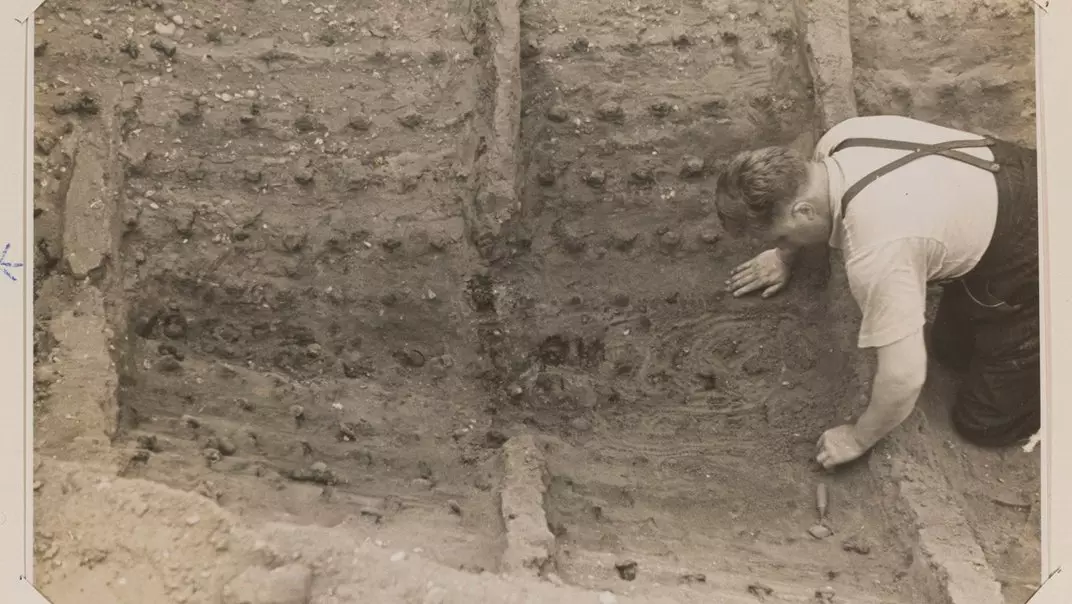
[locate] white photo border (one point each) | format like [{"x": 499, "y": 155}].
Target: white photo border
[{"x": 1053, "y": 22}]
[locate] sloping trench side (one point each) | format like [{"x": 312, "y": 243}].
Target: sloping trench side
[{"x": 948, "y": 559}]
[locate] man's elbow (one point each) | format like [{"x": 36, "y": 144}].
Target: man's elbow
[
  {"x": 904, "y": 364},
  {"x": 910, "y": 378}
]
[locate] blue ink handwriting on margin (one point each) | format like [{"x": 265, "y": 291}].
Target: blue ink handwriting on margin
[{"x": 6, "y": 264}]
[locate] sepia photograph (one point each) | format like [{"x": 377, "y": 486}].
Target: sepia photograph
[{"x": 504, "y": 301}]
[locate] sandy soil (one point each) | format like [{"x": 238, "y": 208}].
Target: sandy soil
[{"x": 308, "y": 328}]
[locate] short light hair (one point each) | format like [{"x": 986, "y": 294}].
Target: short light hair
[{"x": 753, "y": 185}]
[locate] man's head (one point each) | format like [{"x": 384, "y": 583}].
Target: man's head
[{"x": 776, "y": 194}]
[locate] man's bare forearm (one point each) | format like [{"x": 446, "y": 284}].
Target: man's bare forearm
[
  {"x": 902, "y": 369},
  {"x": 892, "y": 401}
]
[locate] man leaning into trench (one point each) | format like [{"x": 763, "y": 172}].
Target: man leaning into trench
[{"x": 908, "y": 204}]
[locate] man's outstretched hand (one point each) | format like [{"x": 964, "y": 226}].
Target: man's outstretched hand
[
  {"x": 839, "y": 446},
  {"x": 767, "y": 272}
]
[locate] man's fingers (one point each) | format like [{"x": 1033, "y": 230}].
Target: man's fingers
[
  {"x": 741, "y": 279},
  {"x": 770, "y": 291},
  {"x": 738, "y": 279},
  {"x": 824, "y": 459},
  {"x": 749, "y": 287},
  {"x": 742, "y": 267}
]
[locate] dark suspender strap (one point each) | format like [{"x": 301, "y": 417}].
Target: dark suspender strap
[
  {"x": 881, "y": 143},
  {"x": 920, "y": 151}
]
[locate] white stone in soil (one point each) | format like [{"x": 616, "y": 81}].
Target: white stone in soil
[{"x": 165, "y": 29}]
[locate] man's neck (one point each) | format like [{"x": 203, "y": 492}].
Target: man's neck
[
  {"x": 817, "y": 195},
  {"x": 818, "y": 190},
  {"x": 820, "y": 186}
]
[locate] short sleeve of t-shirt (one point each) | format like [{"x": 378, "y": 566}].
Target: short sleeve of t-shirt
[{"x": 889, "y": 282}]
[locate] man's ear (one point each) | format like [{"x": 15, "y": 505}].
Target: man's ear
[{"x": 805, "y": 210}]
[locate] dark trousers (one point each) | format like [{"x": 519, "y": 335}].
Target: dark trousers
[{"x": 987, "y": 324}]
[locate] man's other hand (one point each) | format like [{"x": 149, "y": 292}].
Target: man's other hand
[{"x": 767, "y": 272}]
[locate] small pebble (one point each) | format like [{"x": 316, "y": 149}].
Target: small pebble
[
  {"x": 192, "y": 520},
  {"x": 411, "y": 119},
  {"x": 581, "y": 424},
  {"x": 661, "y": 109},
  {"x": 360, "y": 122},
  {"x": 670, "y": 239},
  {"x": 611, "y": 112},
  {"x": 627, "y": 570},
  {"x": 164, "y": 47},
  {"x": 820, "y": 532},
  {"x": 165, "y": 29},
  {"x": 177, "y": 20},
  {"x": 709, "y": 237},
  {"x": 398, "y": 557},
  {"x": 608, "y": 598},
  {"x": 693, "y": 167},
  {"x": 227, "y": 447},
  {"x": 857, "y": 545}
]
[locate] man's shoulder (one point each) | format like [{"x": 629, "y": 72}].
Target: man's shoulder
[
  {"x": 894, "y": 127},
  {"x": 870, "y": 126}
]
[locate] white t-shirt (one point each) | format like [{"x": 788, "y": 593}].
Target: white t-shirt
[{"x": 929, "y": 220}]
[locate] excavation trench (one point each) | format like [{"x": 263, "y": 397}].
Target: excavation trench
[{"x": 348, "y": 307}]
